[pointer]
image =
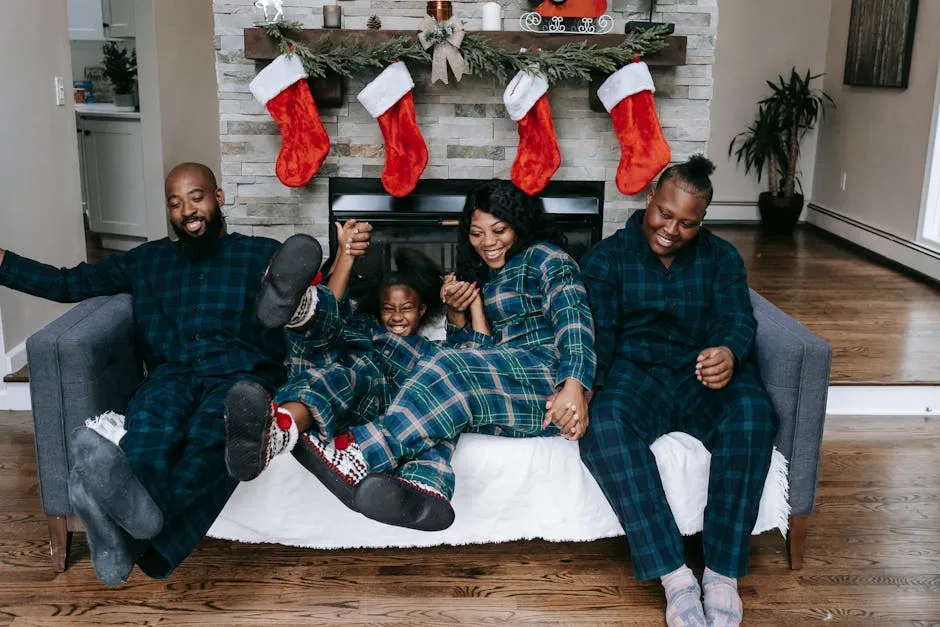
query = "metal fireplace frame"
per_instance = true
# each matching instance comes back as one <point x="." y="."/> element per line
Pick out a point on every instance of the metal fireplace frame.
<point x="434" y="207"/>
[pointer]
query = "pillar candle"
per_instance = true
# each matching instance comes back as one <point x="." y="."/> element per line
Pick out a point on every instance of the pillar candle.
<point x="332" y="15"/>
<point x="492" y="16"/>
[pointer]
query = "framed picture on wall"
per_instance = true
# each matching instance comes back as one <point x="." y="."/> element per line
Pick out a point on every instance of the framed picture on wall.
<point x="881" y="39"/>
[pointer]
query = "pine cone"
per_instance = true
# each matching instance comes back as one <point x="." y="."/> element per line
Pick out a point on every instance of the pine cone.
<point x="374" y="22"/>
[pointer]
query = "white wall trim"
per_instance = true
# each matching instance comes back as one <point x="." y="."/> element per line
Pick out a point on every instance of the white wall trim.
<point x="910" y="254"/>
<point x="16" y="357"/>
<point x="843" y="400"/>
<point x="14" y="397"/>
<point x="928" y="224"/>
<point x="883" y="400"/>
<point x="732" y="211"/>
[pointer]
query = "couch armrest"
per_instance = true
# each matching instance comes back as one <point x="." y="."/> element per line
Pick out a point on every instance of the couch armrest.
<point x="794" y="365"/>
<point x="80" y="365"/>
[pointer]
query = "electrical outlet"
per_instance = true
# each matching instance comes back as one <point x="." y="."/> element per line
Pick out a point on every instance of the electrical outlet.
<point x="842" y="181"/>
<point x="59" y="91"/>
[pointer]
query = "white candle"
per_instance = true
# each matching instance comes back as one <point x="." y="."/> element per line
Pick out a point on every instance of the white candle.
<point x="492" y="16"/>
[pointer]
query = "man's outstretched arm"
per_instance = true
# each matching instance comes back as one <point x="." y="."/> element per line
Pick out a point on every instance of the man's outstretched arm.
<point x="64" y="285"/>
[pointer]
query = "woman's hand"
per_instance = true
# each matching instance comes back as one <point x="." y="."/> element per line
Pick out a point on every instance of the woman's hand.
<point x="458" y="295"/>
<point x="567" y="409"/>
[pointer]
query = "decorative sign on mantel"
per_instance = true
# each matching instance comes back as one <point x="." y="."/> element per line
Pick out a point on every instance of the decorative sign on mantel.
<point x="582" y="17"/>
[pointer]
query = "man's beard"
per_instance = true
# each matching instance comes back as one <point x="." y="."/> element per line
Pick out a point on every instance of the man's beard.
<point x="196" y="248"/>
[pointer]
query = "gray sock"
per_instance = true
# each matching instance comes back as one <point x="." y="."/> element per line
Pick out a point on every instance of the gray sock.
<point x="723" y="606"/>
<point x="108" y="479"/>
<point x="683" y="599"/>
<point x="111" y="553"/>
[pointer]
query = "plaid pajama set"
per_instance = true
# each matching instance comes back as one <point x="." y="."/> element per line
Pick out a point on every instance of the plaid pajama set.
<point x="651" y="324"/>
<point x="346" y="367"/>
<point x="198" y="334"/>
<point x="543" y="334"/>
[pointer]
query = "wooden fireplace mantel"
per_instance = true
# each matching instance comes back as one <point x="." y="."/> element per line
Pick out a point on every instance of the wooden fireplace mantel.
<point x="260" y="47"/>
<point x="328" y="92"/>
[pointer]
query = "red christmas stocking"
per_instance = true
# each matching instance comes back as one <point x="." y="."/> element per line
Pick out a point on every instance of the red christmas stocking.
<point x="628" y="96"/>
<point x="537" y="157"/>
<point x="282" y="88"/>
<point x="389" y="99"/>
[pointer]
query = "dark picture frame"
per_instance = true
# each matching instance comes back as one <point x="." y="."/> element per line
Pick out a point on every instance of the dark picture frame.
<point x="881" y="40"/>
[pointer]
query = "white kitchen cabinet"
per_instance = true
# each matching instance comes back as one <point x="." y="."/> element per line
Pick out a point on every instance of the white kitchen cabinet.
<point x="113" y="166"/>
<point x="97" y="20"/>
<point x="119" y="18"/>
<point x="86" y="20"/>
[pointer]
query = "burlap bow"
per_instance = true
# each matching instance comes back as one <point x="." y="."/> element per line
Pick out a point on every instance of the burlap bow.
<point x="446" y="38"/>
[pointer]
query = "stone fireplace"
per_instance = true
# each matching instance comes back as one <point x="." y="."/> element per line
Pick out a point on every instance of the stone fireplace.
<point x="468" y="133"/>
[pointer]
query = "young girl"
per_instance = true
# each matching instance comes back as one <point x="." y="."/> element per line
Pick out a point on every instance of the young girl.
<point x="537" y="371"/>
<point x="345" y="365"/>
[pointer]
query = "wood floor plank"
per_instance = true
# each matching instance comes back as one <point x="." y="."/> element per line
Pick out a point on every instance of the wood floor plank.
<point x="884" y="326"/>
<point x="872" y="558"/>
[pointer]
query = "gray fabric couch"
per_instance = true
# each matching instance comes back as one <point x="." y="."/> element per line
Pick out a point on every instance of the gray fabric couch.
<point x="85" y="363"/>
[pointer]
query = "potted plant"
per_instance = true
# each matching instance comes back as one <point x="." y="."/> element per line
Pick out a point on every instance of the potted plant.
<point x="120" y="67"/>
<point x="772" y="142"/>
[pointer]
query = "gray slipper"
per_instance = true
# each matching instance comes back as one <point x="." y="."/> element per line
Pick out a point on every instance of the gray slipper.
<point x="111" y="549"/>
<point x="108" y="479"/>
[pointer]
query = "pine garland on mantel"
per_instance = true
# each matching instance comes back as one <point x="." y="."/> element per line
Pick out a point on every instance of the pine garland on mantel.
<point x="354" y="56"/>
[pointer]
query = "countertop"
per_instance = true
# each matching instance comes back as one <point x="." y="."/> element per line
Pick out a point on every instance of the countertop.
<point x="105" y="109"/>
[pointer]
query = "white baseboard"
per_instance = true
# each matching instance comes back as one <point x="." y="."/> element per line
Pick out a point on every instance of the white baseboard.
<point x="844" y="400"/>
<point x="892" y="247"/>
<point x="732" y="211"/>
<point x="883" y="400"/>
<point x="14" y="397"/>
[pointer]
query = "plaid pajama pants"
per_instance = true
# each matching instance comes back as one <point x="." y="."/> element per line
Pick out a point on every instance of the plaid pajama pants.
<point x="343" y="388"/>
<point x="336" y="394"/>
<point x="175" y="444"/>
<point x="498" y="390"/>
<point x="737" y="424"/>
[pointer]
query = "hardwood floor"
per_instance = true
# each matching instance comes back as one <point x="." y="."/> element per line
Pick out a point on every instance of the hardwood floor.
<point x="884" y="326"/>
<point x="872" y="558"/>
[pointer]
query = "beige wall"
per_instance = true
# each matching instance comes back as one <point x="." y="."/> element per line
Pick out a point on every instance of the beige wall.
<point x="879" y="137"/>
<point x="757" y="41"/>
<point x="40" y="211"/>
<point x="178" y="93"/>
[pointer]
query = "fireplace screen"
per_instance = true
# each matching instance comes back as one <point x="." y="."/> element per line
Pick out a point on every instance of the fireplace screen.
<point x="427" y="218"/>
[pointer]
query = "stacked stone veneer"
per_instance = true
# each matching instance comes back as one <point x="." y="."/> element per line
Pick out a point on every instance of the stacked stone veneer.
<point x="464" y="124"/>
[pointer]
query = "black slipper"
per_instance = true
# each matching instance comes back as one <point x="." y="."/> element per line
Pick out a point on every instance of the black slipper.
<point x="312" y="456"/>
<point x="291" y="270"/>
<point x="247" y="430"/>
<point x="394" y="501"/>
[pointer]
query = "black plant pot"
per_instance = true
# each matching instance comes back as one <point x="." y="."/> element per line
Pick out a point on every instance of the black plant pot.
<point x="779" y="214"/>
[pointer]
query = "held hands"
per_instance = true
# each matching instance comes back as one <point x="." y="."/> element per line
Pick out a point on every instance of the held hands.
<point x="459" y="297"/>
<point x="714" y="367"/>
<point x="353" y="238"/>
<point x="567" y="409"/>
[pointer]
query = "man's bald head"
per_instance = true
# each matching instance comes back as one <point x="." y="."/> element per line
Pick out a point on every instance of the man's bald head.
<point x="201" y="170"/>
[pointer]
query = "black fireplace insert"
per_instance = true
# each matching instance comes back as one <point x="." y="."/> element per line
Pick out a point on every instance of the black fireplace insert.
<point x="427" y="218"/>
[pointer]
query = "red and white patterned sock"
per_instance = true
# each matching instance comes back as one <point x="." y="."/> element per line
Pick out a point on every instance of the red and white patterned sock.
<point x="282" y="434"/>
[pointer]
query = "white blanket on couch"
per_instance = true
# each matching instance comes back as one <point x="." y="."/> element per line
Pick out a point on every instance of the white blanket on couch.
<point x="507" y="489"/>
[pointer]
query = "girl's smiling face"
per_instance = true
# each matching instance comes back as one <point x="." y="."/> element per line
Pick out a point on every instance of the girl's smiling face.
<point x="402" y="310"/>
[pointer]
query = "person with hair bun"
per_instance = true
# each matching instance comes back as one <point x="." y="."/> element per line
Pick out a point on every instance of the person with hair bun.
<point x="675" y="338"/>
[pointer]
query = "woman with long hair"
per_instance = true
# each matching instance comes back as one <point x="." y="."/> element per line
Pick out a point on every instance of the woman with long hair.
<point x="533" y="379"/>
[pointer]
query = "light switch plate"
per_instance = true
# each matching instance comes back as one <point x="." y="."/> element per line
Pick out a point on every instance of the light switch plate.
<point x="59" y="91"/>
